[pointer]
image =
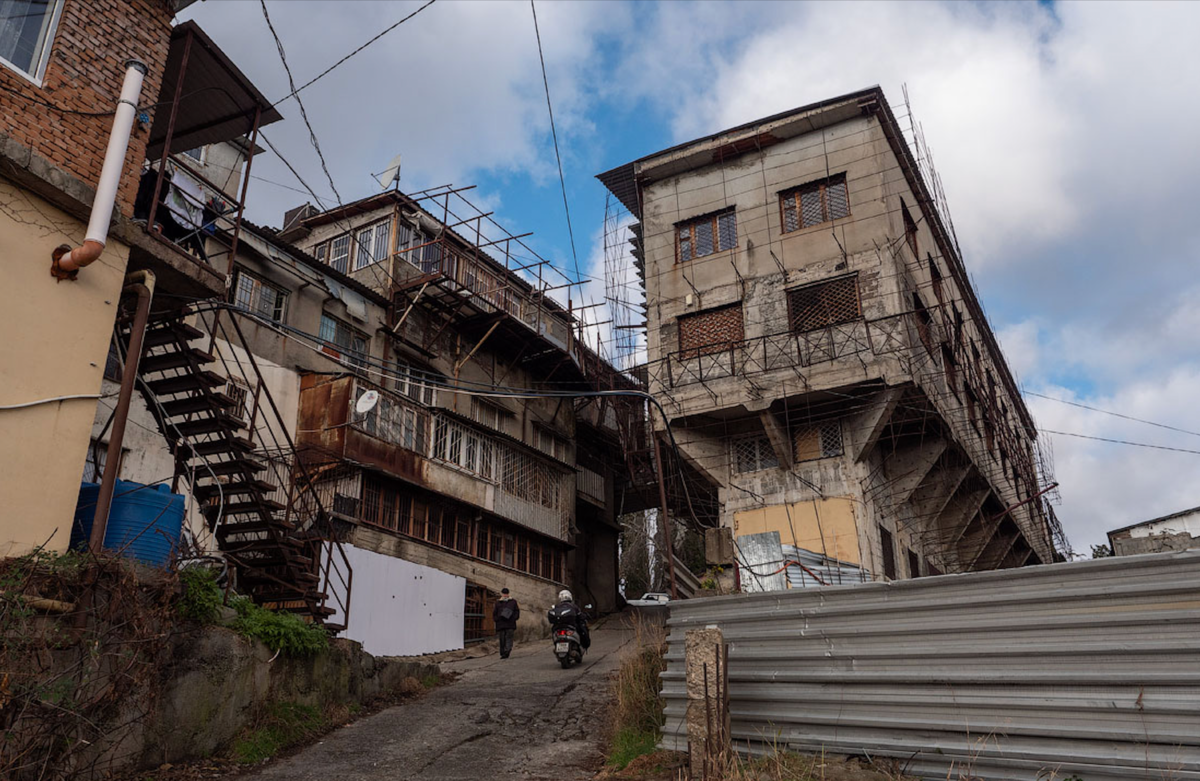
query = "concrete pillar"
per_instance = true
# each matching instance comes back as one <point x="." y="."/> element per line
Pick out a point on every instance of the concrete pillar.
<point x="708" y="702"/>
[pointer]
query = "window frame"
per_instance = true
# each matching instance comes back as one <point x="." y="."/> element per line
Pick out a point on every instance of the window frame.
<point x="791" y="306"/>
<point x="41" y="59"/>
<point x="347" y="353"/>
<point x="793" y="195"/>
<point x="765" y="456"/>
<point x="710" y="348"/>
<point x="256" y="294"/>
<point x="689" y="225"/>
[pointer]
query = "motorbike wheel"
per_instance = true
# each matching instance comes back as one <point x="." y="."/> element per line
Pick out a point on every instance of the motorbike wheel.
<point x="566" y="662"/>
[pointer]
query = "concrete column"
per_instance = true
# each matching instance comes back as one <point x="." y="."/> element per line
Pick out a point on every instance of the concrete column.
<point x="708" y="702"/>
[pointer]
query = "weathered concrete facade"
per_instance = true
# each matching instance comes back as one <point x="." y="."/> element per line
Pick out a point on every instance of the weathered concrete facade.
<point x="1174" y="532"/>
<point x="819" y="350"/>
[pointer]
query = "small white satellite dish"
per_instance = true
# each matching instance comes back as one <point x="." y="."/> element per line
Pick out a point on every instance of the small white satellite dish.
<point x="390" y="175"/>
<point x="366" y="402"/>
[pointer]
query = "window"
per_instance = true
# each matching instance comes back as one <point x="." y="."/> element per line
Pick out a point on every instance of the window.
<point x="713" y="331"/>
<point x="887" y="548"/>
<point x="258" y="296"/>
<point x="26" y="34"/>
<point x="754" y="454"/>
<point x="372" y="242"/>
<point x="706" y="235"/>
<point x="97" y="457"/>
<point x="910" y="230"/>
<point x="199" y="154"/>
<point x="823" y="440"/>
<point x="815" y="203"/>
<point x="113" y="370"/>
<point x="824" y="304"/>
<point x="914" y="564"/>
<point x="551" y="444"/>
<point x="240" y="393"/>
<point x="936" y="275"/>
<point x="489" y="414"/>
<point x="972" y="401"/>
<point x="924" y="323"/>
<point x="342" y="341"/>
<point x="958" y="326"/>
<point x="339" y="253"/>
<point x="463" y="447"/>
<point x="950" y="367"/>
<point x="414" y="382"/>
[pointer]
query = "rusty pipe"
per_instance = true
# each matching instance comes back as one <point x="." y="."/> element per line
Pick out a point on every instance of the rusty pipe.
<point x="66" y="262"/>
<point x="142" y="284"/>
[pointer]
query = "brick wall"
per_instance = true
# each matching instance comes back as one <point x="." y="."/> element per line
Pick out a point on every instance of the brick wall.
<point x="85" y="71"/>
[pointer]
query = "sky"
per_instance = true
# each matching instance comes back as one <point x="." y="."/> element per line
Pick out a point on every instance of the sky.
<point x="1064" y="133"/>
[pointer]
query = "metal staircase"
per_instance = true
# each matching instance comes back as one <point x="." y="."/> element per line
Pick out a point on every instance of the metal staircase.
<point x="232" y="449"/>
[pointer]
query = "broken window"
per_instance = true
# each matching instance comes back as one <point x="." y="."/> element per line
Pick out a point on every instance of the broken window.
<point x="815" y="203"/>
<point x="822" y="440"/>
<point x="824" y="304"/>
<point x="712" y="331"/>
<point x="888" y="549"/>
<point x="258" y="296"/>
<point x="910" y="230"/>
<point x="706" y="235"/>
<point x="924" y="323"/>
<point x="754" y="454"/>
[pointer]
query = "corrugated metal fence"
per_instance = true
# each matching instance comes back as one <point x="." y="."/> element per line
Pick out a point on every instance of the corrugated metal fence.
<point x="1089" y="669"/>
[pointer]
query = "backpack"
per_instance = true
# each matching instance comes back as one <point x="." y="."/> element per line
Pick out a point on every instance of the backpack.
<point x="506" y="612"/>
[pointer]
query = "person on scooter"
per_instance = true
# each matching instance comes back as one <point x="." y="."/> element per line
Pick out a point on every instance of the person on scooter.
<point x="568" y="614"/>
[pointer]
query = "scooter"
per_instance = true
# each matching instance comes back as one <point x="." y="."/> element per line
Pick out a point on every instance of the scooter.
<point x="567" y="645"/>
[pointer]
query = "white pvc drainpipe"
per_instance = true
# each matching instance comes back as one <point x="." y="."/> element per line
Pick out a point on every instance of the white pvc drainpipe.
<point x="67" y="261"/>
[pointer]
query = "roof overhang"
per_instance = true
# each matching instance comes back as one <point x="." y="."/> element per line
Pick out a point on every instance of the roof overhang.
<point x="217" y="102"/>
<point x="625" y="181"/>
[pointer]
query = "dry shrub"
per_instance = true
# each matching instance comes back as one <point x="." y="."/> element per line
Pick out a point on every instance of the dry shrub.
<point x="637" y="717"/>
<point x="410" y="687"/>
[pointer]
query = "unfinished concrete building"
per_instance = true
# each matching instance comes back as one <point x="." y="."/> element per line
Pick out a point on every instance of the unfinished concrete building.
<point x="822" y="357"/>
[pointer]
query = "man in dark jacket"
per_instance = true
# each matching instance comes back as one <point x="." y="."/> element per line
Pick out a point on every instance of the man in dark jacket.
<point x="505" y="613"/>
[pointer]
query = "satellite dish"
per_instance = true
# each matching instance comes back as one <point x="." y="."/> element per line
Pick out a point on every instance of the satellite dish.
<point x="366" y="402"/>
<point x="390" y="175"/>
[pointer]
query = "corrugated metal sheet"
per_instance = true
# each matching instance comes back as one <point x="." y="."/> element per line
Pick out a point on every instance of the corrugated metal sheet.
<point x="828" y="572"/>
<point x="1090" y="668"/>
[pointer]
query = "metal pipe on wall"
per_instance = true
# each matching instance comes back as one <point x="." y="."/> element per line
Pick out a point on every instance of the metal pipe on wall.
<point x="142" y="284"/>
<point x="66" y="262"/>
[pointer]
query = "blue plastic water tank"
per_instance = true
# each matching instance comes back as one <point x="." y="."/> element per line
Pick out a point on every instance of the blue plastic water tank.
<point x="145" y="521"/>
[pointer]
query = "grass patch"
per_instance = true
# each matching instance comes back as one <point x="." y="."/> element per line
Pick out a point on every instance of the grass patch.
<point x="637" y="716"/>
<point x="431" y="681"/>
<point x="628" y="744"/>
<point x="285" y="724"/>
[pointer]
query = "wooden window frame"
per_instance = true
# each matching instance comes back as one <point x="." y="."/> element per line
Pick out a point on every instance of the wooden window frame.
<point x="794" y="195"/>
<point x="689" y="226"/>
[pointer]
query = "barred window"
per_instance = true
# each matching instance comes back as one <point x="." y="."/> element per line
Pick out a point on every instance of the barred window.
<point x="824" y="304"/>
<point x="754" y="454"/>
<point x="456" y="444"/>
<point x="258" y="295"/>
<point x="821" y="440"/>
<point x="814" y="203"/>
<point x="713" y="331"/>
<point x="395" y="422"/>
<point x="706" y="235"/>
<point x="414" y="382"/>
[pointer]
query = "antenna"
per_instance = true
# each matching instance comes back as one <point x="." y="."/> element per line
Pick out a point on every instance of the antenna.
<point x="366" y="402"/>
<point x="389" y="175"/>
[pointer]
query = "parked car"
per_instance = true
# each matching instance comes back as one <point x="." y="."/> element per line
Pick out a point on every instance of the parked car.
<point x="651" y="599"/>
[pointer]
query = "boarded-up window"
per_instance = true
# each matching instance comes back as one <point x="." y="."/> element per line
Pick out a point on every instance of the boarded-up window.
<point x="706" y="235"/>
<point x="815" y="203"/>
<point x="754" y="454"/>
<point x="822" y="440"/>
<point x="889" y="553"/>
<point x="714" y="331"/>
<point x="824" y="304"/>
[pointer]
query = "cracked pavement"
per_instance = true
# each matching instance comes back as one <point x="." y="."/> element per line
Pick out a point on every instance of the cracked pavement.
<point x="520" y="718"/>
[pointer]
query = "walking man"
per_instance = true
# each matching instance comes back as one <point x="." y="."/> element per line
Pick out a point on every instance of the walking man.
<point x="505" y="613"/>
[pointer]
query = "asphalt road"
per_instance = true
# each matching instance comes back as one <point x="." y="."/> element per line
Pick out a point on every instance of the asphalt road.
<point x="518" y="718"/>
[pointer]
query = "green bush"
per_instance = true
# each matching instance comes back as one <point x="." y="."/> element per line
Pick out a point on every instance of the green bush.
<point x="630" y="743"/>
<point x="284" y="725"/>
<point x="201" y="598"/>
<point x="278" y="630"/>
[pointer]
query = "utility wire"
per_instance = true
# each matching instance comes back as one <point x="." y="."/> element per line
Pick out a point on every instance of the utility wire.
<point x="312" y="134"/>
<point x="554" y="134"/>
<point x="1114" y="414"/>
<point x="1121" y="442"/>
<point x="296" y="90"/>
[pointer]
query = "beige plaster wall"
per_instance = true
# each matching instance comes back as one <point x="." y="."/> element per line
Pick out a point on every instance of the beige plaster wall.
<point x="55" y="340"/>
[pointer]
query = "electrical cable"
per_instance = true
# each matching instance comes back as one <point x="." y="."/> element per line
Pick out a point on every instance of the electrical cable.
<point x="1114" y="414"/>
<point x="51" y="400"/>
<point x="1121" y="441"/>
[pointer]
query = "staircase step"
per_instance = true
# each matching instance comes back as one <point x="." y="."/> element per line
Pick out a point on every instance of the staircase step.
<point x="235" y="466"/>
<point x="247" y="507"/>
<point x="251" y="577"/>
<point x="186" y="382"/>
<point x="176" y="359"/>
<point x="170" y="333"/>
<point x="198" y="403"/>
<point x="227" y="445"/>
<point x="227" y="490"/>
<point x="238" y="526"/>
<point x="208" y="425"/>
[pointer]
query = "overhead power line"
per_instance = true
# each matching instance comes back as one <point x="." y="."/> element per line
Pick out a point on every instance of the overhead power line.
<point x="554" y="134"/>
<point x="1114" y="414"/>
<point x="1121" y="442"/>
